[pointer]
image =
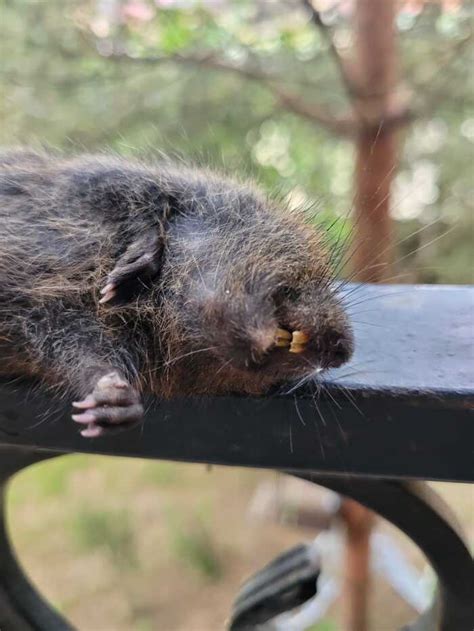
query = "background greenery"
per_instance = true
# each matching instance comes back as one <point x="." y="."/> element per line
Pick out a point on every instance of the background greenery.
<point x="139" y="76"/>
<point x="134" y="545"/>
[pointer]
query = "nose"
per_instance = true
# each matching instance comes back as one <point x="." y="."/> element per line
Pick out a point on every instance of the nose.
<point x="335" y="347"/>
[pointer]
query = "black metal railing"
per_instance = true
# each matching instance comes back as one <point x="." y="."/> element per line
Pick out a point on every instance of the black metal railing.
<point x="401" y="411"/>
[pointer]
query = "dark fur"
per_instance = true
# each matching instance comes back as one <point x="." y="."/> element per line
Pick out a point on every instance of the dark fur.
<point x="222" y="266"/>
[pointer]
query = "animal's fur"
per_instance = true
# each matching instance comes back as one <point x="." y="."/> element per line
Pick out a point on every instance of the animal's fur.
<point x="224" y="266"/>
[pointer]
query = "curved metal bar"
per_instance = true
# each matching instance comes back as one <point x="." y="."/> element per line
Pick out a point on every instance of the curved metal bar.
<point x="421" y="514"/>
<point x="411" y="506"/>
<point x="285" y="583"/>
<point x="21" y="606"/>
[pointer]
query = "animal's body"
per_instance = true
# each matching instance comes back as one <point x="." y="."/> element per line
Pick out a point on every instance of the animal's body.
<point x="118" y="277"/>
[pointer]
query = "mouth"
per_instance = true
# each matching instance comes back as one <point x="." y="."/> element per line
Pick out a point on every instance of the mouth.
<point x="279" y="351"/>
<point x="294" y="341"/>
<point x="329" y="347"/>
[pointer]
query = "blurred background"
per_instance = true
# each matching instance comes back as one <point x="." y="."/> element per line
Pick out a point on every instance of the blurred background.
<point x="358" y="108"/>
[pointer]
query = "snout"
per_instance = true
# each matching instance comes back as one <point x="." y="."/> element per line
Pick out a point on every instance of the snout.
<point x="287" y="351"/>
<point x="334" y="346"/>
<point x="255" y="334"/>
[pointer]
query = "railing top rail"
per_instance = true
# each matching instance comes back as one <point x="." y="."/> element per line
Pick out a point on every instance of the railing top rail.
<point x="402" y="408"/>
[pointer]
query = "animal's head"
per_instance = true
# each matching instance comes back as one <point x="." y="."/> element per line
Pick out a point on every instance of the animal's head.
<point x="249" y="299"/>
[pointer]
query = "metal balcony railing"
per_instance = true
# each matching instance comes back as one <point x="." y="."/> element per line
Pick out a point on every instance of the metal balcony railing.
<point x="399" y="414"/>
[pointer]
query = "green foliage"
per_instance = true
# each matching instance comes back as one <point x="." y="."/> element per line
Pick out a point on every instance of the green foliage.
<point x="53" y="477"/>
<point x="324" y="625"/>
<point x="194" y="547"/>
<point x="88" y="75"/>
<point x="144" y="624"/>
<point x="107" y="530"/>
<point x="47" y="479"/>
<point x="161" y="473"/>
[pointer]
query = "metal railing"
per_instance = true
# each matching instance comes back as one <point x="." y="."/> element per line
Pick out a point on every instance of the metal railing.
<point x="402" y="411"/>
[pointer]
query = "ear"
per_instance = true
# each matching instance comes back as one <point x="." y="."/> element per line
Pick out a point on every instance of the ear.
<point x="135" y="268"/>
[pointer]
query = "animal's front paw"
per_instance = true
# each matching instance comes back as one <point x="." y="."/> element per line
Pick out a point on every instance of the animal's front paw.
<point x="112" y="406"/>
<point x="133" y="270"/>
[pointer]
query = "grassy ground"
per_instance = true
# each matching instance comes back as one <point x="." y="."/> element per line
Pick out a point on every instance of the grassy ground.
<point x="134" y="545"/>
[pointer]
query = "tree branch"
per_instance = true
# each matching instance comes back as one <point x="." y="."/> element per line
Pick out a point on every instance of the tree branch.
<point x="341" y="125"/>
<point x="433" y="94"/>
<point x="348" y="80"/>
<point x="344" y="125"/>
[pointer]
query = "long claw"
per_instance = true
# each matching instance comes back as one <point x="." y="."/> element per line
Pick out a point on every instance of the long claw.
<point x="108" y="287"/>
<point x="88" y="403"/>
<point x="108" y="294"/>
<point x="86" y="417"/>
<point x="93" y="431"/>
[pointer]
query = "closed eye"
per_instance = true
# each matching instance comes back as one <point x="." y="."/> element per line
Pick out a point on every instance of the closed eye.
<point x="284" y="294"/>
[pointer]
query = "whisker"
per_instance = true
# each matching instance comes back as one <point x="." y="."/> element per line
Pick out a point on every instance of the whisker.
<point x="199" y="350"/>
<point x="320" y="413"/>
<point x="317" y="370"/>
<point x="298" y="412"/>
<point x="222" y="367"/>
<point x="351" y="400"/>
<point x="321" y="446"/>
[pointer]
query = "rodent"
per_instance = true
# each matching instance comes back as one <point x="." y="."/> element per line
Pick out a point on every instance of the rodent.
<point x="119" y="277"/>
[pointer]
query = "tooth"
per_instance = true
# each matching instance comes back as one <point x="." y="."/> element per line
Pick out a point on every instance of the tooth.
<point x="283" y="334"/>
<point x="299" y="337"/>
<point x="282" y="343"/>
<point x="297" y="348"/>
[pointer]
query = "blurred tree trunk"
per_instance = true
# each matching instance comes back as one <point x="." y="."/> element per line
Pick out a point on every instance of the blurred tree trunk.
<point x="359" y="525"/>
<point x="376" y="143"/>
<point x="373" y="248"/>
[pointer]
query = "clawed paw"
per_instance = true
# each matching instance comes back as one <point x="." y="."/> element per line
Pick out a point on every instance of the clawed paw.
<point x="135" y="267"/>
<point x="295" y="341"/>
<point x="112" y="406"/>
<point x="108" y="292"/>
<point x="142" y="266"/>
